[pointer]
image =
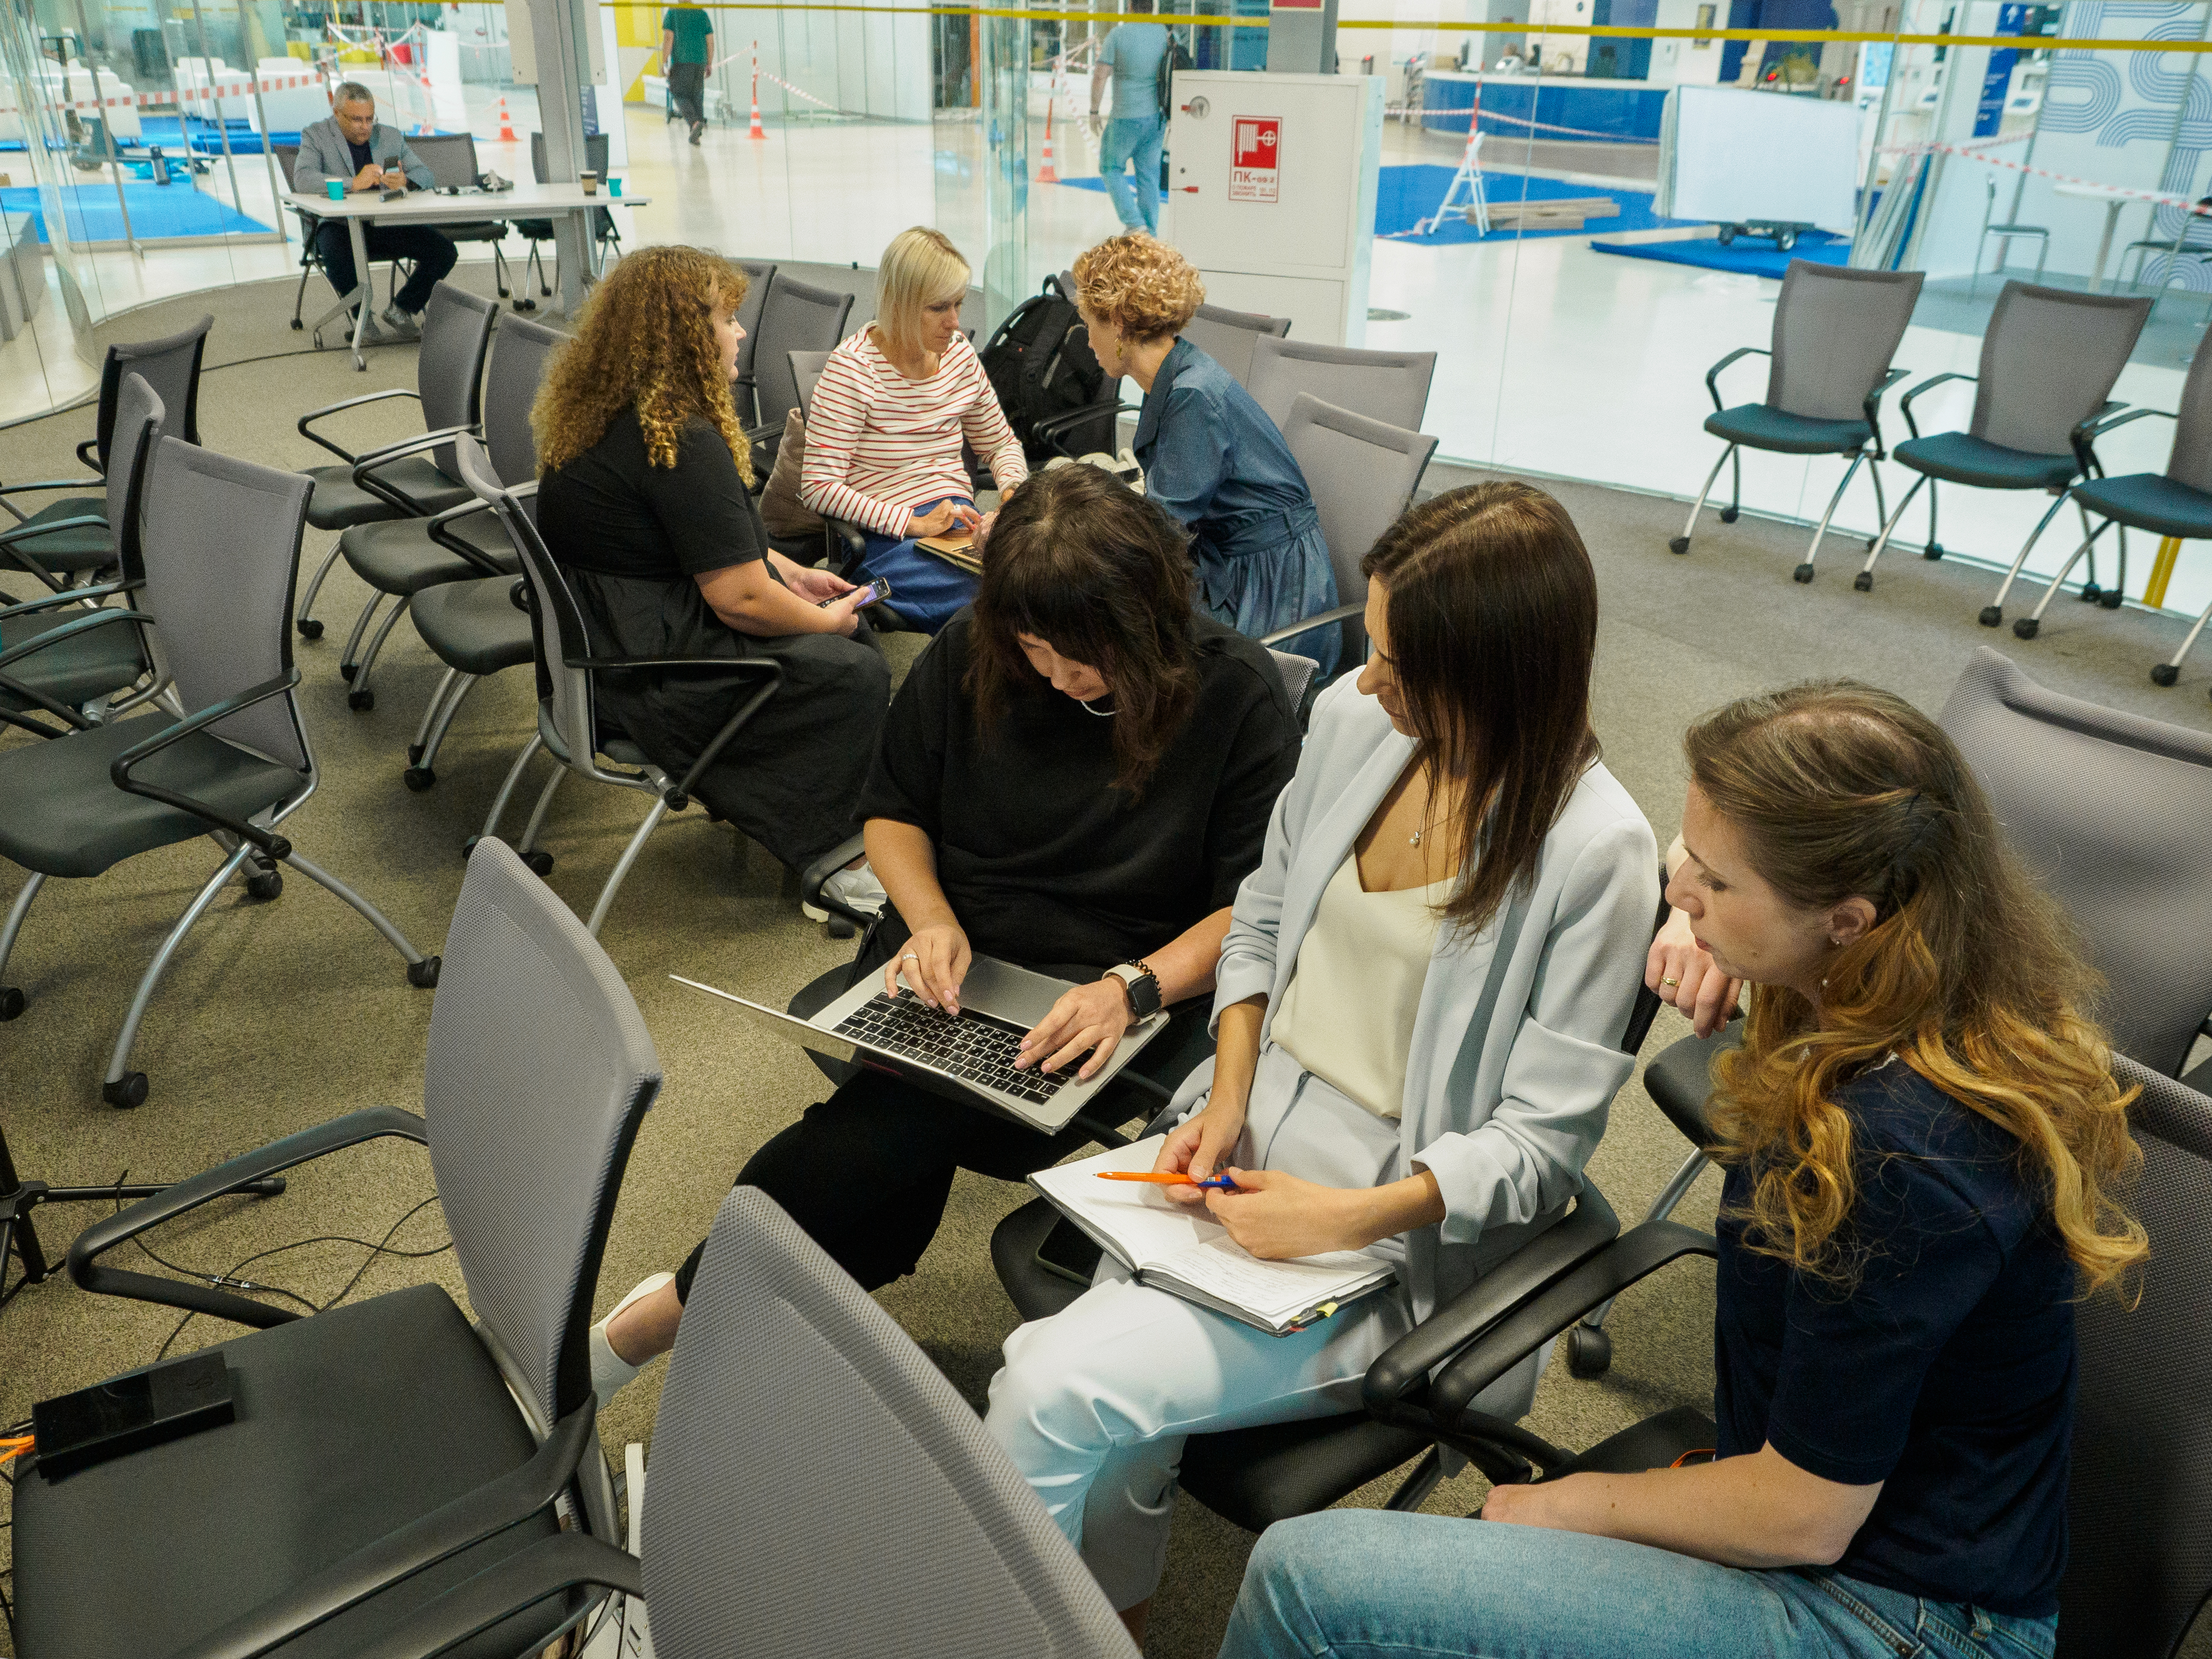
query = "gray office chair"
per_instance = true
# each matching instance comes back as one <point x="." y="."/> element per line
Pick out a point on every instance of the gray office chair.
<point x="57" y="656"/>
<point x="760" y="276"/>
<point x="1230" y="336"/>
<point x="538" y="231"/>
<point x="71" y="536"/>
<point x="1297" y="674"/>
<point x="1390" y="386"/>
<point x="287" y="157"/>
<point x="1362" y="474"/>
<point x="2006" y="235"/>
<point x="2190" y="241"/>
<point x="451" y="159"/>
<point x="364" y="1429"/>
<point x="570" y="725"/>
<point x="413" y="478"/>
<point x="805" y="370"/>
<point x="2112" y="814"/>
<point x="2048" y="363"/>
<point x="2139" y="1502"/>
<point x="796" y="316"/>
<point x="2175" y="502"/>
<point x="1835" y="331"/>
<point x="402" y="558"/>
<point x="221" y="546"/>
<point x="911" y="1533"/>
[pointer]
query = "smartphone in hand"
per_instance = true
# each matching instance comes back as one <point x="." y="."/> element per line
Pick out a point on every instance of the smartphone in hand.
<point x="862" y="598"/>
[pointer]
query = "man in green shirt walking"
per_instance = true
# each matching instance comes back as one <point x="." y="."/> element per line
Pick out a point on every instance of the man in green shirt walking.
<point x="687" y="47"/>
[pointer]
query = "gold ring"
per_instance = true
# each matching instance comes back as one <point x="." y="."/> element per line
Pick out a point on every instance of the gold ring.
<point x="1670" y="981"/>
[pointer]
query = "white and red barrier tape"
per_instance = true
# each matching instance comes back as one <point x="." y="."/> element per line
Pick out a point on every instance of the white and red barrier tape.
<point x="194" y="92"/>
<point x="1973" y="153"/>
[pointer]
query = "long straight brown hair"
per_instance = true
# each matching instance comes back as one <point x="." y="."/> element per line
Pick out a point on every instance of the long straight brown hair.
<point x="1493" y="624"/>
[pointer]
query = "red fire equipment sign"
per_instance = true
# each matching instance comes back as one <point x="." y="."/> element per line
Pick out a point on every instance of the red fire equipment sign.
<point x="1255" y="166"/>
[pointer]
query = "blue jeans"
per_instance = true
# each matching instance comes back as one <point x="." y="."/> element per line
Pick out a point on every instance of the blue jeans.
<point x="1375" y="1585"/>
<point x="1139" y="141"/>
<point x="925" y="589"/>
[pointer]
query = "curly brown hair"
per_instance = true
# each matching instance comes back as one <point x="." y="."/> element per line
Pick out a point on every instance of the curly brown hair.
<point x="647" y="338"/>
<point x="1142" y="287"/>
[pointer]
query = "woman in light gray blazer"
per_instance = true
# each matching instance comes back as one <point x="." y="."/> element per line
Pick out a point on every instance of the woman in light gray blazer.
<point x="1418" y="1017"/>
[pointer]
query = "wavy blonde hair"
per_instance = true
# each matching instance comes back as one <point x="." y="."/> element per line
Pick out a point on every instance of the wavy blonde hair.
<point x="920" y="267"/>
<point x="1970" y="976"/>
<point x="1142" y="287"/>
<point x="646" y="337"/>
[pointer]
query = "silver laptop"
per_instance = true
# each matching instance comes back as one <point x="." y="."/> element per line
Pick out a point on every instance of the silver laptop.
<point x="969" y="1056"/>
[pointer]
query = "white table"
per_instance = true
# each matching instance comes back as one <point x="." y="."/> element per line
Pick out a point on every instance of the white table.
<point x="2114" y="198"/>
<point x="427" y="207"/>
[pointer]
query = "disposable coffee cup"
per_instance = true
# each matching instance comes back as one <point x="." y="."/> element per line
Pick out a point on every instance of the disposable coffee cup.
<point x="614" y="186"/>
<point x="335" y="189"/>
<point x="590" y="181"/>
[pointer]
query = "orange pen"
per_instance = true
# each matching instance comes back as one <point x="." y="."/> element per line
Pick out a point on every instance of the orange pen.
<point x="1168" y="1178"/>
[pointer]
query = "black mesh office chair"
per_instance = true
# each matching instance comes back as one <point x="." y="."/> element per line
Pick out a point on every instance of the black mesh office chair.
<point x="538" y="231"/>
<point x="451" y="159"/>
<point x="794" y="316"/>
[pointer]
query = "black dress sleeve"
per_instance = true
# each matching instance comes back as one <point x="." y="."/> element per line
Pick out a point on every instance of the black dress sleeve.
<point x="1262" y="762"/>
<point x="702" y="504"/>
<point x="908" y="781"/>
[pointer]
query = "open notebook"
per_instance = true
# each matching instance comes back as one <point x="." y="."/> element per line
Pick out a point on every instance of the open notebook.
<point x="1191" y="1255"/>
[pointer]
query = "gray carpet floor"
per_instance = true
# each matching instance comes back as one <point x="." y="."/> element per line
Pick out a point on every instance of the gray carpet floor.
<point x="279" y="1015"/>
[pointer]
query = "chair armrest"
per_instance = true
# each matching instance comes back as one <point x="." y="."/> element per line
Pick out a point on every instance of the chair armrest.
<point x="840" y="536"/>
<point x="1904" y="404"/>
<point x="1053" y="425"/>
<point x="225" y="1178"/>
<point x="118" y="772"/>
<point x="68" y="596"/>
<point x="1712" y="374"/>
<point x="567" y="1561"/>
<point x="467" y="551"/>
<point x="2083" y="437"/>
<point x="89" y="454"/>
<point x="365" y="467"/>
<point x="810" y="882"/>
<point x="347" y="455"/>
<point x="678" y="795"/>
<point x="1585" y="1231"/>
<point x="1307" y="624"/>
<point x="420" y="1544"/>
<point x="27" y="532"/>
<point x="95" y="483"/>
<point x="1872" y="408"/>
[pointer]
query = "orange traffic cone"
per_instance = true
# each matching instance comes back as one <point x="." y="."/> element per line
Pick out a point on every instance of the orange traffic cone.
<point x="1045" y="174"/>
<point x="756" y="131"/>
<point x="506" y="125"/>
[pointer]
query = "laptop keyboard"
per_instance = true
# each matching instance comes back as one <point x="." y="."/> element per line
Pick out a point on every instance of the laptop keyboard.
<point x="973" y="1047"/>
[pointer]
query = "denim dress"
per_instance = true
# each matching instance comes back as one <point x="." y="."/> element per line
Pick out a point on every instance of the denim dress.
<point x="1215" y="461"/>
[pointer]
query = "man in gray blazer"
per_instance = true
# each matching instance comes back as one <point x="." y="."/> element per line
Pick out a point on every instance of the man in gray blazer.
<point x="353" y="145"/>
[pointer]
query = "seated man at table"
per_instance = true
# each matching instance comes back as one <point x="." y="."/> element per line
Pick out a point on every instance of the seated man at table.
<point x="354" y="146"/>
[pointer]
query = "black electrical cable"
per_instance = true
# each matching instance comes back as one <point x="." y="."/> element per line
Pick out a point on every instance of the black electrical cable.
<point x="218" y="1281"/>
<point x="90" y="398"/>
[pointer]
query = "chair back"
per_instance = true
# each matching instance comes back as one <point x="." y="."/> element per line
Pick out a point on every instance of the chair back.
<point x="2111" y="814"/>
<point x="519" y="357"/>
<point x="450" y="157"/>
<point x="171" y="367"/>
<point x="1835" y="331"/>
<point x="1391" y="386"/>
<point x="2048" y="361"/>
<point x="221" y="546"/>
<point x="1228" y="337"/>
<point x="2191" y="462"/>
<point x="805" y="370"/>
<point x="759" y="277"/>
<point x="796" y="316"/>
<point x="556" y="621"/>
<point x="915" y="1536"/>
<point x="1298" y="673"/>
<point x="537" y="1075"/>
<point x="2139" y="1503"/>
<point x="138" y="418"/>
<point x="449" y="372"/>
<point x="1362" y="474"/>
<point x="595" y="157"/>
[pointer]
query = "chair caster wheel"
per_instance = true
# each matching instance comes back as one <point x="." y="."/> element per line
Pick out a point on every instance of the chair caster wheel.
<point x="538" y="861"/>
<point x="1729" y="514"/>
<point x="298" y="327"/>
<point x="1589" y="1351"/>
<point x="2026" y="628"/>
<point x="418" y="778"/>
<point x="266" y="886"/>
<point x="2165" y="674"/>
<point x="1991" y="615"/>
<point x="424" y="974"/>
<point x="1932" y="550"/>
<point x="2112" y="599"/>
<point x="1679" y="544"/>
<point x="127" y="1091"/>
<point x="2090" y="593"/>
<point x="840" y="927"/>
<point x="360" y="702"/>
<point x="348" y="670"/>
<point x="1863" y="582"/>
<point x="309" y="628"/>
<point x="1803" y="572"/>
<point x="11" y="1003"/>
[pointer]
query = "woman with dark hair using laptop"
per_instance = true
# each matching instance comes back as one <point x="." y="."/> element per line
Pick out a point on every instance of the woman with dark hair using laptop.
<point x="1420" y="1006"/>
<point x="1075" y="778"/>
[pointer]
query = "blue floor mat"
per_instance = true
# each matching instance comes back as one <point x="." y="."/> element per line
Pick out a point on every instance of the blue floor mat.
<point x="1752" y="258"/>
<point x="157" y="211"/>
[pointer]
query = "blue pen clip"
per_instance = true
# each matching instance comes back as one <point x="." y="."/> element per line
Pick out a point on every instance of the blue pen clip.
<point x="1219" y="1183"/>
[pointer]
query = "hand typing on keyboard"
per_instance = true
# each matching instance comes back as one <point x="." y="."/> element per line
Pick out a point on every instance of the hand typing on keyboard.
<point x="972" y="1048"/>
<point x="1091" y="1018"/>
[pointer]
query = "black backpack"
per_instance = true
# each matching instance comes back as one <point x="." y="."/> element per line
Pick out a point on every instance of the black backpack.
<point x="1174" y="58"/>
<point x="1040" y="363"/>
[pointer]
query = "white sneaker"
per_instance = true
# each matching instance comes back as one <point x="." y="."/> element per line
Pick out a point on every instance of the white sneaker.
<point x="610" y="1372"/>
<point x="856" y="889"/>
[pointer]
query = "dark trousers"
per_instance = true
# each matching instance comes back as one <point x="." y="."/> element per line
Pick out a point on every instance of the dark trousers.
<point x="687" y="90"/>
<point x="433" y="255"/>
<point x="867" y="1172"/>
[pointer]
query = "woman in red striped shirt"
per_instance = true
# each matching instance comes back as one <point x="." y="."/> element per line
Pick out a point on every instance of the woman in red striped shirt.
<point x="885" y="427"/>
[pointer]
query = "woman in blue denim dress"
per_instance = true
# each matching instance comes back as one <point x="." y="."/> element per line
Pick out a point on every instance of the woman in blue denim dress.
<point x="1211" y="457"/>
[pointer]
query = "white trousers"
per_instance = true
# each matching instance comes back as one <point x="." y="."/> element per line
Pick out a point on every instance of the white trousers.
<point x="1094" y="1404"/>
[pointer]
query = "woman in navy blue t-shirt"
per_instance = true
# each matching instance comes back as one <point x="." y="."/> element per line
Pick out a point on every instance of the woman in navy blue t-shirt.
<point x="1922" y="1143"/>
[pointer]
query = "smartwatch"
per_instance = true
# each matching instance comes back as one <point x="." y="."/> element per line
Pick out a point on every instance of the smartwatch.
<point x="1140" y="985"/>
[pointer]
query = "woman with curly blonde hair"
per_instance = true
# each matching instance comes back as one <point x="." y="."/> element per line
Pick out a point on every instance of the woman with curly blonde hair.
<point x="642" y="501"/>
<point x="1927" y="1160"/>
<point x="1211" y="457"/>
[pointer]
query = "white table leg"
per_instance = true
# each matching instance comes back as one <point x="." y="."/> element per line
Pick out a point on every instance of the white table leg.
<point x="2104" y="242"/>
<point x="365" y="286"/>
